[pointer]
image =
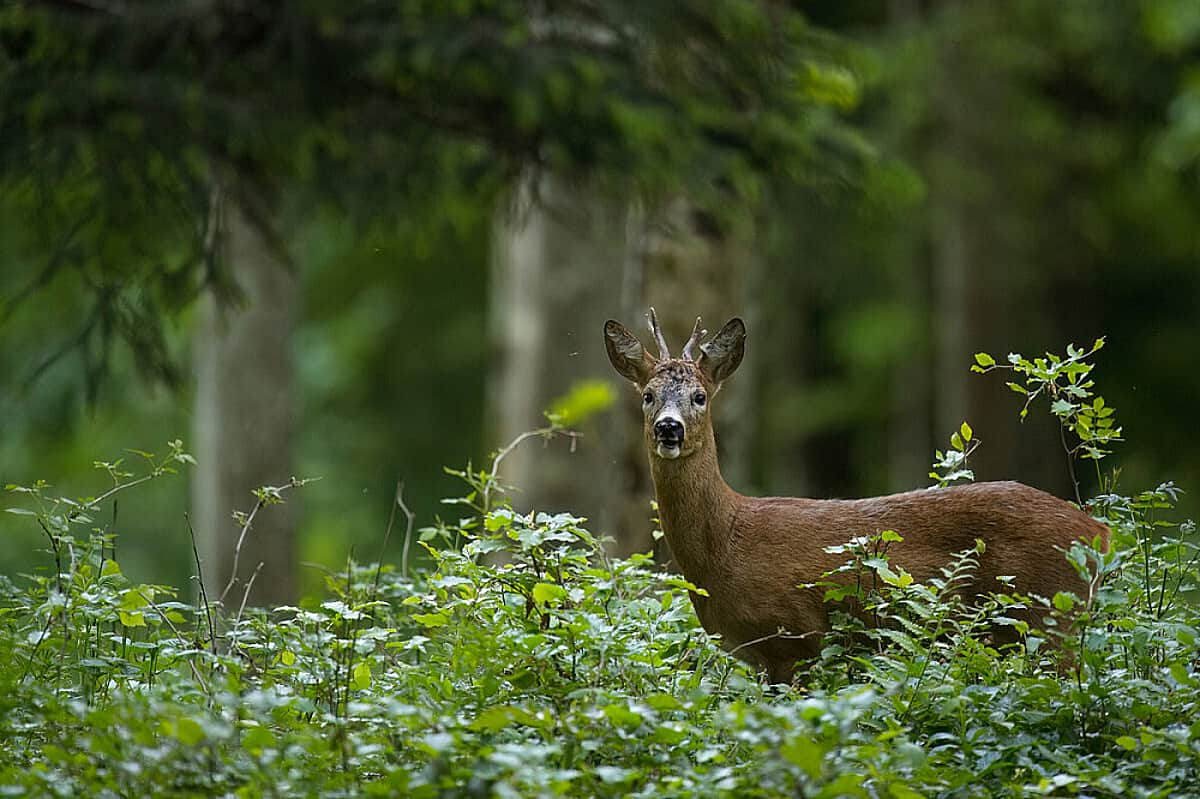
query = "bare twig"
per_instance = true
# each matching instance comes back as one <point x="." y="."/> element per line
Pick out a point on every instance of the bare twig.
<point x="212" y="629"/>
<point x="246" y="594"/>
<point x="409" y="517"/>
<point x="163" y="615"/>
<point x="777" y="635"/>
<point x="1062" y="435"/>
<point x="544" y="432"/>
<point x="264" y="494"/>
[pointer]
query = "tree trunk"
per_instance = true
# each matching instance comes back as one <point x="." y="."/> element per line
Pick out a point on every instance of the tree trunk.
<point x="566" y="258"/>
<point x="695" y="265"/>
<point x="558" y="257"/>
<point x="243" y="419"/>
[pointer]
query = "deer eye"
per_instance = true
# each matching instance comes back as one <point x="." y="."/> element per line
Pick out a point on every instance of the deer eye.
<point x="699" y="398"/>
<point x="647" y="398"/>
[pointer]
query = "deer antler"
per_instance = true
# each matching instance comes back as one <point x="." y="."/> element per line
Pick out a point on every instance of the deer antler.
<point x="663" y="352"/>
<point x="697" y="334"/>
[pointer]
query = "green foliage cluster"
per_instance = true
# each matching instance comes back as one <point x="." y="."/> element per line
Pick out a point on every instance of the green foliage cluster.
<point x="124" y="127"/>
<point x="525" y="662"/>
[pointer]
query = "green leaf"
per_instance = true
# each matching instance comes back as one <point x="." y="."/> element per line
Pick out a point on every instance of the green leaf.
<point x="804" y="752"/>
<point x="966" y="431"/>
<point x="584" y="400"/>
<point x="984" y="360"/>
<point x="493" y="719"/>
<point x="136" y="598"/>
<point x="287" y="657"/>
<point x="1064" y="602"/>
<point x="548" y="592"/>
<point x="663" y="702"/>
<point x="361" y="678"/>
<point x="623" y="716"/>
<point x="1062" y="407"/>
<point x="1127" y="743"/>
<point x="899" y="790"/>
<point x="258" y="738"/>
<point x="438" y="619"/>
<point x="890" y="535"/>
<point x="188" y="731"/>
<point x="132" y="619"/>
<point x="901" y="580"/>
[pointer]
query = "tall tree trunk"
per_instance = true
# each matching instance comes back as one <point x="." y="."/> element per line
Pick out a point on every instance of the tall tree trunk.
<point x="696" y="265"/>
<point x="566" y="258"/>
<point x="558" y="257"/>
<point x="243" y="418"/>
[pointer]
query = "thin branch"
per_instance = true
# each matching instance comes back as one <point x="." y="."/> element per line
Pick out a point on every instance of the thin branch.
<point x="57" y="260"/>
<point x="779" y="634"/>
<point x="80" y="339"/>
<point x="163" y="615"/>
<point x="1062" y="435"/>
<point x="409" y="517"/>
<point x="544" y="432"/>
<point x="246" y="594"/>
<point x="263" y="495"/>
<point x="212" y="630"/>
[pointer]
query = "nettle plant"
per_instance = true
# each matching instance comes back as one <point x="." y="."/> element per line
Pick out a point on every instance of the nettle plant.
<point x="1137" y="616"/>
<point x="517" y="659"/>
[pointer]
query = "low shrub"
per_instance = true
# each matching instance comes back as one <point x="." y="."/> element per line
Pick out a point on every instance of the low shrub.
<point x="522" y="661"/>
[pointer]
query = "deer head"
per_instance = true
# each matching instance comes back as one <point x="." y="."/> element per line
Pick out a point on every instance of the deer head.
<point x="676" y="391"/>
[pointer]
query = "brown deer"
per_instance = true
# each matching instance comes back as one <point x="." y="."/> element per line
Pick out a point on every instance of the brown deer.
<point x="753" y="554"/>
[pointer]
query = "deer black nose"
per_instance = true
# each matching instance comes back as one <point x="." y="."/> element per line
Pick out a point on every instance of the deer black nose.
<point x="669" y="430"/>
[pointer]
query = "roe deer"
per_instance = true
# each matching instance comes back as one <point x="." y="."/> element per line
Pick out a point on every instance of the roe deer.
<point x="752" y="554"/>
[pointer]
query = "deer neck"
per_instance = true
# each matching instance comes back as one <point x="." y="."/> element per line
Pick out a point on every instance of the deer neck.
<point x="696" y="507"/>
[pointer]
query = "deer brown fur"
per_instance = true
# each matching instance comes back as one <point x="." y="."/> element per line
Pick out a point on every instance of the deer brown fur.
<point x="753" y="554"/>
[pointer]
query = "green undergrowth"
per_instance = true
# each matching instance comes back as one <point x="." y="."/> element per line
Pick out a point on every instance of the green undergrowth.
<point x="522" y="661"/>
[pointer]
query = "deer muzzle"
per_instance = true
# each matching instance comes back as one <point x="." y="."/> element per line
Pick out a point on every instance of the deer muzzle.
<point x="668" y="436"/>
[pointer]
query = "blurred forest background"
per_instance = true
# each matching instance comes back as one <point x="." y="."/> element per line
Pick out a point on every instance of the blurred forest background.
<point x="358" y="241"/>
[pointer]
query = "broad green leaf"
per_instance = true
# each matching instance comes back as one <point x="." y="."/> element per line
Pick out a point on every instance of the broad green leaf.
<point x="188" y="731"/>
<point x="438" y="619"/>
<point x="548" y="592"/>
<point x="258" y="738"/>
<point x="663" y="702"/>
<point x="623" y="716"/>
<point x="899" y="790"/>
<point x="132" y="619"/>
<point x="984" y="360"/>
<point x="361" y="677"/>
<point x="901" y="580"/>
<point x="804" y="752"/>
<point x="493" y="719"/>
<point x="136" y="598"/>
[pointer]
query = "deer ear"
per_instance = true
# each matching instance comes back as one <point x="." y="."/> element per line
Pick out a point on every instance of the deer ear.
<point x="722" y="356"/>
<point x="626" y="353"/>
